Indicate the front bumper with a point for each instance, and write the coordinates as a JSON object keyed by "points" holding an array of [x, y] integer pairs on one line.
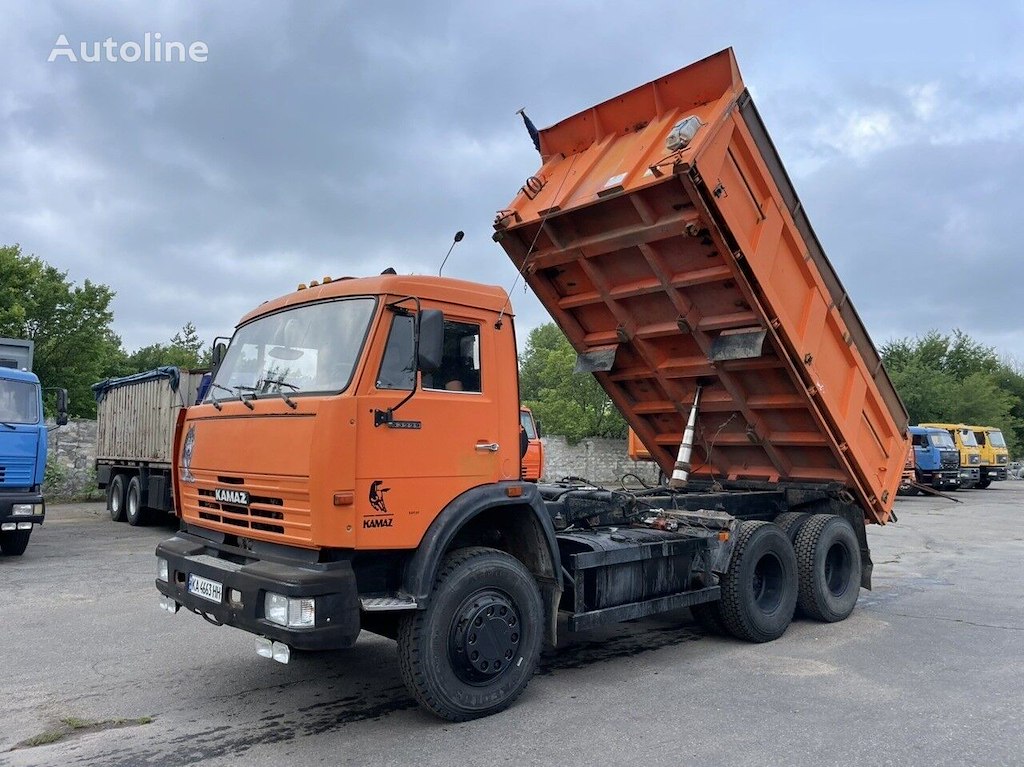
{"points": [[993, 473], [333, 586], [969, 474], [8, 500]]}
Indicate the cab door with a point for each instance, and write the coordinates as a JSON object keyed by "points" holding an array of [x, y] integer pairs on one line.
{"points": [[443, 441]]}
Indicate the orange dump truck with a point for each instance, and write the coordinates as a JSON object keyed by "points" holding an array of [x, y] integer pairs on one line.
{"points": [[357, 461]]}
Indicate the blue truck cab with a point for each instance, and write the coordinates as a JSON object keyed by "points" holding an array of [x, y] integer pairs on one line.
{"points": [[22, 456], [936, 458]]}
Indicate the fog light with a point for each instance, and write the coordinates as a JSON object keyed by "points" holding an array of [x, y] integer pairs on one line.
{"points": [[282, 653], [264, 647], [293, 613], [26, 509], [161, 569], [8, 526], [24, 525]]}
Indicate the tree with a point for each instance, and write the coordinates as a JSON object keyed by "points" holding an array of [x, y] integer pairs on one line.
{"points": [[955, 379], [571, 404], [74, 344], [185, 351]]}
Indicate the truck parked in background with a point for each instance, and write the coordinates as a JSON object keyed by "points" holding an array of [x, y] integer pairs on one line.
{"points": [[970, 454], [533, 457], [994, 455], [135, 417], [23, 445], [936, 458], [330, 482]]}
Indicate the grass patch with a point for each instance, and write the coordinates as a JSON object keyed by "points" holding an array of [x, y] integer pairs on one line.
{"points": [[71, 726]]}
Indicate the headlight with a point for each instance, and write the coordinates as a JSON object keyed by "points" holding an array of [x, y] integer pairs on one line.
{"points": [[293, 613], [161, 569], [26, 509], [975, 459]]}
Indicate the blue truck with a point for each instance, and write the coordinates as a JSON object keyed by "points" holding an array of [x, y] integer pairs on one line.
{"points": [[22, 445], [936, 458]]}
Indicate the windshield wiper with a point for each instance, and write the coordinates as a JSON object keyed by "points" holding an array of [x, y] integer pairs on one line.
{"points": [[279, 383], [214, 400]]}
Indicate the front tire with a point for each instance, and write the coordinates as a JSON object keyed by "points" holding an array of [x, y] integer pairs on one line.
{"points": [[14, 542], [759, 589], [828, 557], [133, 509], [473, 650], [982, 484], [115, 498]]}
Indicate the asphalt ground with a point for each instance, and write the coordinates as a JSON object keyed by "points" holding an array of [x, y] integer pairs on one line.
{"points": [[929, 670]]}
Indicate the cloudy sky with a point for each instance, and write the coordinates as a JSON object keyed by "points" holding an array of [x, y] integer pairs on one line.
{"points": [[343, 138]]}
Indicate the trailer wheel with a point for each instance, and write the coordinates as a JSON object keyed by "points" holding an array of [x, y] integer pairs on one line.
{"points": [[13, 542], [791, 522], [473, 650], [759, 589], [828, 558], [133, 503], [115, 498]]}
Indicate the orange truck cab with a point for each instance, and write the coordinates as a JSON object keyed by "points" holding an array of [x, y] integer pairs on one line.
{"points": [[356, 463], [533, 457]]}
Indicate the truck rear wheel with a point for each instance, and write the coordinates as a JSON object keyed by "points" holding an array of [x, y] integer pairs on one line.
{"points": [[791, 521], [473, 650], [828, 558], [115, 498], [133, 503], [14, 542], [759, 589]]}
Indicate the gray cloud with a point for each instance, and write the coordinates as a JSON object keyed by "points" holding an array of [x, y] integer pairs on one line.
{"points": [[340, 140]]}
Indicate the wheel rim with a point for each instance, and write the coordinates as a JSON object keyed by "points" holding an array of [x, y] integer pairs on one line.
{"points": [[484, 637], [133, 504], [115, 501], [837, 569], [768, 583]]}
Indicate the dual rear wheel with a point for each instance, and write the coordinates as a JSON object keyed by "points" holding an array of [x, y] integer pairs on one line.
{"points": [[810, 561], [124, 500]]}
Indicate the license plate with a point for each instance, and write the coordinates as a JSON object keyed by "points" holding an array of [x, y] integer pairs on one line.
{"points": [[205, 588]]}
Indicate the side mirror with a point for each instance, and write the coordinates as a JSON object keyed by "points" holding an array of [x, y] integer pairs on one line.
{"points": [[217, 353], [62, 407], [431, 345]]}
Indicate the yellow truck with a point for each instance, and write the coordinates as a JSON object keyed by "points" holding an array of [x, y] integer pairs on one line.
{"points": [[994, 455], [970, 453]]}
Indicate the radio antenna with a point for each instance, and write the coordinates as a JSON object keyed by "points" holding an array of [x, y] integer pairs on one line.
{"points": [[458, 238]]}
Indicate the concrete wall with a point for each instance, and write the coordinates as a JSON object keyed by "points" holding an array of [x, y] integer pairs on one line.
{"points": [[603, 461]]}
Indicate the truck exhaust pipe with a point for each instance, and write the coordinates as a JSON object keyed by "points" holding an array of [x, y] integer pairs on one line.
{"points": [[681, 472]]}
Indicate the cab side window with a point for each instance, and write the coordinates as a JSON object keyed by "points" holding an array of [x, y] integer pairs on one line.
{"points": [[460, 363], [397, 369]]}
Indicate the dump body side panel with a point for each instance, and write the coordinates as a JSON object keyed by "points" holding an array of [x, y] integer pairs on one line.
{"points": [[135, 416], [673, 268]]}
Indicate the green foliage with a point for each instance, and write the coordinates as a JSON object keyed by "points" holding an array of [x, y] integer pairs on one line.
{"points": [[185, 350], [70, 324], [571, 404], [955, 379]]}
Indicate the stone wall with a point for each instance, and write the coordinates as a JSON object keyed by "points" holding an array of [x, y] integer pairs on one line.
{"points": [[70, 473], [598, 460]]}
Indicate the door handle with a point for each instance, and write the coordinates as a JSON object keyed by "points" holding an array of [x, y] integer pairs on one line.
{"points": [[491, 447]]}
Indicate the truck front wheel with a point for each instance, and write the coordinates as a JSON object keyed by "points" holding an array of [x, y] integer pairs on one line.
{"points": [[759, 588], [473, 650], [14, 542], [115, 498], [828, 558]]}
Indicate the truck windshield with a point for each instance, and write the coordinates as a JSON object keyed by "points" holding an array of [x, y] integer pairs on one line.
{"points": [[19, 402], [995, 437], [967, 437], [312, 348], [942, 440]]}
